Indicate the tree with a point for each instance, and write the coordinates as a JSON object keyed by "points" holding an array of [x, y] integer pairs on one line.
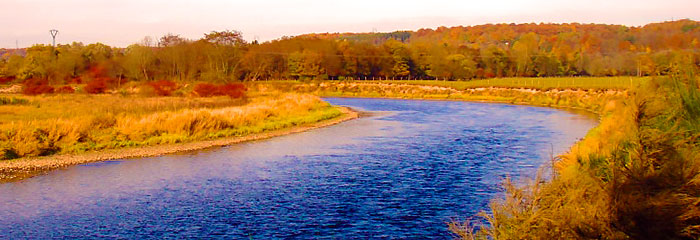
{"points": [[139, 62], [523, 51], [173, 56], [223, 55], [496, 61], [401, 57], [38, 63], [225, 38], [305, 65]]}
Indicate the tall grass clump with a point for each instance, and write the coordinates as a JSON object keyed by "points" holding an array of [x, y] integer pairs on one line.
{"points": [[635, 176], [12, 101]]}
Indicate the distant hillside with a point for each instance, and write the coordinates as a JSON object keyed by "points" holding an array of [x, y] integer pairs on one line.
{"points": [[7, 52], [455, 53], [672, 34]]}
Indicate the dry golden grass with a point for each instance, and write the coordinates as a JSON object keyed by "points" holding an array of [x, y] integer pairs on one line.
{"points": [[589, 99], [17, 169], [78, 123], [61, 106], [635, 176]]}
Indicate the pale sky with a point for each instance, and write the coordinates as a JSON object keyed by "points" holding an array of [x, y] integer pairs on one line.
{"points": [[123, 22]]}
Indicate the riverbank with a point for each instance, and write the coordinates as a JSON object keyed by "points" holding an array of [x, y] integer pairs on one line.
{"points": [[635, 175], [18, 169], [597, 101]]}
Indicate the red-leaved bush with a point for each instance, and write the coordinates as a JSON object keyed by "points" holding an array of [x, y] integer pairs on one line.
{"points": [[36, 86], [163, 87], [96, 86], [205, 89], [233, 90], [65, 89], [4, 80], [75, 80]]}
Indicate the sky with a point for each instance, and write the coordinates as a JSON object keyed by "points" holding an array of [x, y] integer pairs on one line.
{"points": [[124, 22]]}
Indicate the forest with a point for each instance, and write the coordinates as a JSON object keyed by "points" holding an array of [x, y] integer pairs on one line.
{"points": [[454, 53]]}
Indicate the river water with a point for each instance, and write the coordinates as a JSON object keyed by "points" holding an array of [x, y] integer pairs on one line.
{"points": [[404, 172]]}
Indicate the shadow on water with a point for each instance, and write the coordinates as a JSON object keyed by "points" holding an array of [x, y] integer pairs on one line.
{"points": [[401, 172]]}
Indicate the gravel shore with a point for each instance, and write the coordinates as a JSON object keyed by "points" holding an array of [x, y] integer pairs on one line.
{"points": [[18, 169]]}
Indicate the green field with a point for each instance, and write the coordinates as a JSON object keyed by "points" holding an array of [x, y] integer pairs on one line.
{"points": [[536, 83]]}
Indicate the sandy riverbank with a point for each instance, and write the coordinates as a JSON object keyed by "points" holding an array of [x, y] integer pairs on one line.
{"points": [[18, 169]]}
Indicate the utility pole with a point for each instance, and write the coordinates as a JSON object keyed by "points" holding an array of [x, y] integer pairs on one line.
{"points": [[53, 33]]}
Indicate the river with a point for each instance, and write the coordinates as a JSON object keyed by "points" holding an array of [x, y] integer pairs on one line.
{"points": [[403, 172]]}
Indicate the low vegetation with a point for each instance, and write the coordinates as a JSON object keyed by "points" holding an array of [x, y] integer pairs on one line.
{"points": [[234, 90], [636, 175], [588, 99], [619, 83], [12, 101], [75, 123]]}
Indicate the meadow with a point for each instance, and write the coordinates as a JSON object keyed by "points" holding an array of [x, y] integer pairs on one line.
{"points": [[76, 123], [545, 83], [578, 95]]}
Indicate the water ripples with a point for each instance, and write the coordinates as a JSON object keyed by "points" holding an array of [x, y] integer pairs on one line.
{"points": [[400, 174]]}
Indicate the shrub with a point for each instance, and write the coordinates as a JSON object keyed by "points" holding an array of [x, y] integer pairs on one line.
{"points": [[205, 89], [96, 86], [163, 87], [9, 154], [34, 86], [9, 79], [233, 90], [75, 80], [65, 89]]}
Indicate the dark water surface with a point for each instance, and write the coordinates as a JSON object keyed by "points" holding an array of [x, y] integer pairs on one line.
{"points": [[403, 173]]}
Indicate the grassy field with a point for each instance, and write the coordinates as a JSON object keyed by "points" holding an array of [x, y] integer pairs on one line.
{"points": [[75, 123], [589, 99], [538, 83], [597, 83], [63, 106]]}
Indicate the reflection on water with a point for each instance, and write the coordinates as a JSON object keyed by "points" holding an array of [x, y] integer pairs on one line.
{"points": [[400, 174]]}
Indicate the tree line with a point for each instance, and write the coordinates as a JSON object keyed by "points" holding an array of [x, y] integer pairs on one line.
{"points": [[456, 53]]}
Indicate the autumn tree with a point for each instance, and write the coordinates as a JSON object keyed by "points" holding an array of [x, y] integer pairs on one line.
{"points": [[400, 56], [223, 55], [139, 62]]}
